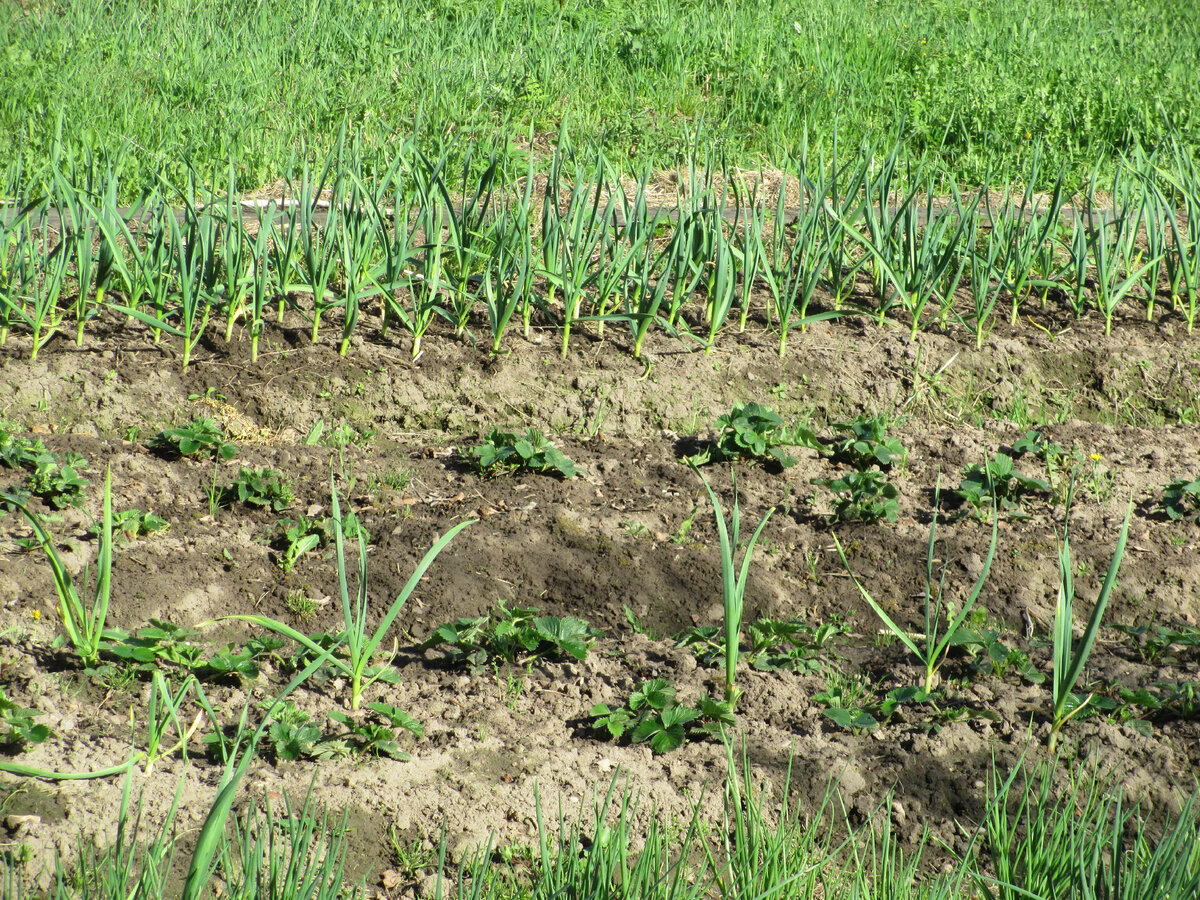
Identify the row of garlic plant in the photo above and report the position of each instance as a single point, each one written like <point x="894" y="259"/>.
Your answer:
<point x="431" y="238"/>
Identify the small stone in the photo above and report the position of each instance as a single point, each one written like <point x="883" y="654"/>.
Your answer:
<point x="18" y="824"/>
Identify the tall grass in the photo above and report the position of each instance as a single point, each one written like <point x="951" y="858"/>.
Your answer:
<point x="974" y="87"/>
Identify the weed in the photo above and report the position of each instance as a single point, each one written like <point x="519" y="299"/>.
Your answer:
<point x="300" y="605"/>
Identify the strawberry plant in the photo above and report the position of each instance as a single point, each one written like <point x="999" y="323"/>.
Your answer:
<point x="864" y="496"/>
<point x="751" y="431"/>
<point x="262" y="487"/>
<point x="998" y="484"/>
<point x="512" y="636"/>
<point x="1181" y="500"/>
<point x="867" y="444"/>
<point x="57" y="480"/>
<point x="18" y="724"/>
<point x="506" y="451"/>
<point x="653" y="716"/>
<point x="131" y="524"/>
<point x="200" y="436"/>
<point x="774" y="644"/>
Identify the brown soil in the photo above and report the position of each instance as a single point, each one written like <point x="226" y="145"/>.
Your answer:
<point x="636" y="530"/>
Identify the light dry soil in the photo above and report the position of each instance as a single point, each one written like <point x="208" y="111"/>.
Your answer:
<point x="634" y="531"/>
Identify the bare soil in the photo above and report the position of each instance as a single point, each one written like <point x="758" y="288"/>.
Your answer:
<point x="636" y="532"/>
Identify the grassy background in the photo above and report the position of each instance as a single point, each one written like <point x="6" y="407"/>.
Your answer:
<point x="973" y="85"/>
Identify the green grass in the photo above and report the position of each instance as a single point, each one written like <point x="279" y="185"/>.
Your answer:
<point x="972" y="84"/>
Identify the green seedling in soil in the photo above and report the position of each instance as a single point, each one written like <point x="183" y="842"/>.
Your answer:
<point x="261" y="487"/>
<point x="1069" y="657"/>
<point x="867" y="444"/>
<point x="162" y="644"/>
<point x="513" y="636"/>
<point x="130" y="524"/>
<point x="371" y="738"/>
<point x="360" y="649"/>
<point x="994" y="657"/>
<point x="1154" y="643"/>
<point x="300" y="536"/>
<point x="774" y="644"/>
<point x="292" y="734"/>
<point x="506" y="451"/>
<point x="1181" y="500"/>
<point x="82" y="622"/>
<point x="997" y="485"/>
<point x="850" y="703"/>
<point x="57" y="481"/>
<point x="935" y="643"/>
<point x="751" y="431"/>
<point x="1167" y="700"/>
<point x="200" y="436"/>
<point x="653" y="715"/>
<point x="18" y="452"/>
<point x="18" y="724"/>
<point x="862" y="497"/>
<point x="733" y="584"/>
<point x="1035" y="443"/>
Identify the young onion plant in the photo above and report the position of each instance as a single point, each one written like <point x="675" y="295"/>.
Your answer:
<point x="82" y="619"/>
<point x="359" y="646"/>
<point x="1070" y="657"/>
<point x="733" y="582"/>
<point x="935" y="642"/>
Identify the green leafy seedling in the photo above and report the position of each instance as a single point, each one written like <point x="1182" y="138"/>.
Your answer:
<point x="513" y="636"/>
<point x="751" y="431"/>
<point x="653" y="716"/>
<point x="130" y="524"/>
<point x="260" y="487"/>
<point x="201" y="436"/>
<point x="997" y="484"/>
<point x="1181" y="500"/>
<point x="506" y="451"/>
<point x="57" y="481"/>
<point x="865" y="496"/>
<point x="20" y="729"/>
<point x="867" y="444"/>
